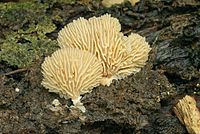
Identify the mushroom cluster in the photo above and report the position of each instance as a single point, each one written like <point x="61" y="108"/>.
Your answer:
<point x="92" y="52"/>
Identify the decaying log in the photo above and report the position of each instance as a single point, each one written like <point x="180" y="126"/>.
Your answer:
<point x="188" y="114"/>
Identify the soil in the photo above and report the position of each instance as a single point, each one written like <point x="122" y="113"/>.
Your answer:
<point x="141" y="103"/>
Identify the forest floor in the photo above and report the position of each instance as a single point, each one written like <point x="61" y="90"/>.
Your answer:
<point x="141" y="103"/>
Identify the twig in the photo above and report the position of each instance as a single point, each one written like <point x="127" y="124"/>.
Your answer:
<point x="15" y="71"/>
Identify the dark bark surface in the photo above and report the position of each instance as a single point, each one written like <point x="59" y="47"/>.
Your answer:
<point x="141" y="103"/>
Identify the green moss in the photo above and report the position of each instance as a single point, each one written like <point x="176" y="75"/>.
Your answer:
<point x="12" y="14"/>
<point x="26" y="25"/>
<point x="22" y="50"/>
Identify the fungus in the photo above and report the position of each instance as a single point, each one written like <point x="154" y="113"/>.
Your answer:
<point x="133" y="2"/>
<point x="136" y="55"/>
<point x="71" y="72"/>
<point x="109" y="3"/>
<point x="120" y="55"/>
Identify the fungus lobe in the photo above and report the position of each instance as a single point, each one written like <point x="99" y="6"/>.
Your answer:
<point x="120" y="55"/>
<point x="71" y="72"/>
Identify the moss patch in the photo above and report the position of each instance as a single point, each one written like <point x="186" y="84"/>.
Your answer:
<point x="24" y="39"/>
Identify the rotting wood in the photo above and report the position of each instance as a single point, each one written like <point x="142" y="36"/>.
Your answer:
<point x="188" y="114"/>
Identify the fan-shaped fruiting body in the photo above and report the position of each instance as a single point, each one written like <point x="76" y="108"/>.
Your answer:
<point x="120" y="55"/>
<point x="71" y="72"/>
<point x="135" y="56"/>
<point x="109" y="3"/>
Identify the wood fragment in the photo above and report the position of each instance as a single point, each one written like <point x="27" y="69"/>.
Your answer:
<point x="188" y="114"/>
<point x="15" y="71"/>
